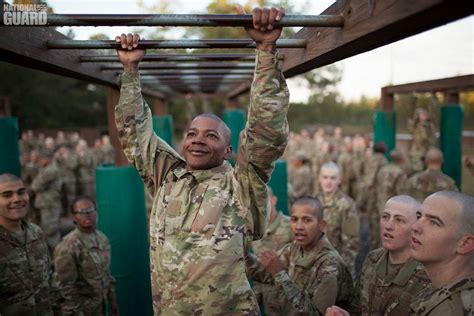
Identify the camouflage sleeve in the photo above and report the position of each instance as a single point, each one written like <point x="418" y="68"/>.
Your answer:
<point x="44" y="177"/>
<point x="256" y="270"/>
<point x="149" y="154"/>
<point x="350" y="237"/>
<point x="66" y="271"/>
<point x="264" y="138"/>
<point x="401" y="184"/>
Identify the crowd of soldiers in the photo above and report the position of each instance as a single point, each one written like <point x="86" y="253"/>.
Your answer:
<point x="213" y="226"/>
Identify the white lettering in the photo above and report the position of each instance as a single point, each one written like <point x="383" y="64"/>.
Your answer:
<point x="7" y="18"/>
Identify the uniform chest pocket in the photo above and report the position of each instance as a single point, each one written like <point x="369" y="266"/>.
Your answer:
<point x="207" y="217"/>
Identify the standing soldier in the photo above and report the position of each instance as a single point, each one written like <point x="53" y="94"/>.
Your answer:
<point x="423" y="131"/>
<point x="308" y="274"/>
<point x="107" y="151"/>
<point x="340" y="215"/>
<point x="67" y="162"/>
<point x="85" y="169"/>
<point x="425" y="183"/>
<point x="47" y="189"/>
<point x="300" y="178"/>
<point x="25" y="266"/>
<point x="277" y="235"/>
<point x="82" y="265"/>
<point x="345" y="162"/>
<point x="205" y="212"/>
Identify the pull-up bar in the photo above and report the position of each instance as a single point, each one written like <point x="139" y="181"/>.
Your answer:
<point x="162" y="44"/>
<point x="196" y="76"/>
<point x="197" y="72"/>
<point x="186" y="20"/>
<point x="157" y="66"/>
<point x="176" y="57"/>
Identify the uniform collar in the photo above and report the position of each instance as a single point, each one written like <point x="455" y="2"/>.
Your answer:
<point x="306" y="258"/>
<point x="203" y="175"/>
<point x="402" y="277"/>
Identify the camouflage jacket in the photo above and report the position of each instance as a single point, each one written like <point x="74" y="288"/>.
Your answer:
<point x="301" y="181"/>
<point x="67" y="167"/>
<point x="47" y="186"/>
<point x="202" y="222"/>
<point x="456" y="298"/>
<point x="425" y="183"/>
<point x="345" y="162"/>
<point x="86" y="167"/>
<point x="379" y="294"/>
<point x="367" y="198"/>
<point x="26" y="285"/>
<point x="342" y="226"/>
<point x="423" y="137"/>
<point x="277" y="235"/>
<point x="82" y="268"/>
<point x="391" y="181"/>
<point x="314" y="280"/>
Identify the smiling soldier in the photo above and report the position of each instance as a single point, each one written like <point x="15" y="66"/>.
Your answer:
<point x="205" y="213"/>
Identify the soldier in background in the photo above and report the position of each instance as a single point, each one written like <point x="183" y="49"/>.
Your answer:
<point x="47" y="188"/>
<point x="277" y="234"/>
<point x="67" y="163"/>
<point x="425" y="183"/>
<point x="107" y="151"/>
<point x="309" y="275"/>
<point x="423" y="131"/>
<point x="300" y="178"/>
<point x="345" y="161"/>
<point x="340" y="215"/>
<point x="26" y="283"/>
<point x="82" y="265"/>
<point x="85" y="170"/>
<point x="443" y="241"/>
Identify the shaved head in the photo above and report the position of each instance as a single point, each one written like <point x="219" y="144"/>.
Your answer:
<point x="224" y="128"/>
<point x="434" y="156"/>
<point x="413" y="204"/>
<point x="466" y="206"/>
<point x="314" y="203"/>
<point x="8" y="177"/>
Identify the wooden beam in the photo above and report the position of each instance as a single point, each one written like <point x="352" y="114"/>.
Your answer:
<point x="459" y="83"/>
<point x="26" y="47"/>
<point x="386" y="101"/>
<point x="368" y="25"/>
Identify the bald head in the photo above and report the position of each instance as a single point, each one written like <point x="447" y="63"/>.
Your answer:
<point x="8" y="177"/>
<point x="223" y="126"/>
<point x="314" y="203"/>
<point x="411" y="204"/>
<point x="434" y="156"/>
<point x="465" y="204"/>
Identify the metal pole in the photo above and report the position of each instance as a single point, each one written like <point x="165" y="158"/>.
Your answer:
<point x="205" y="77"/>
<point x="175" y="57"/>
<point x="187" y="20"/>
<point x="197" y="72"/>
<point x="187" y="66"/>
<point x="206" y="43"/>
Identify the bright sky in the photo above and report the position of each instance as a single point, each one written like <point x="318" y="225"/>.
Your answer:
<point x="442" y="52"/>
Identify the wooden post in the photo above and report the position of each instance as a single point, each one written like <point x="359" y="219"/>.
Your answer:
<point x="231" y="103"/>
<point x="112" y="100"/>
<point x="386" y="101"/>
<point x="451" y="97"/>
<point x="160" y="107"/>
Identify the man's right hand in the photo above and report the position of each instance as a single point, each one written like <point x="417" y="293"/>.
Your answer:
<point x="129" y="55"/>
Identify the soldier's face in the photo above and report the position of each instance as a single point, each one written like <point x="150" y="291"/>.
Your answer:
<point x="329" y="180"/>
<point x="14" y="201"/>
<point x="306" y="227"/>
<point x="205" y="145"/>
<point x="436" y="233"/>
<point x="395" y="226"/>
<point x="85" y="215"/>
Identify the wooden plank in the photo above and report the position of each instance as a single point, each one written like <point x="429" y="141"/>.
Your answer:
<point x="26" y="47"/>
<point x="459" y="83"/>
<point x="368" y="25"/>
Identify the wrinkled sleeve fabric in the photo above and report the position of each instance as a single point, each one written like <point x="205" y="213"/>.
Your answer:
<point x="264" y="138"/>
<point x="66" y="271"/>
<point x="148" y="153"/>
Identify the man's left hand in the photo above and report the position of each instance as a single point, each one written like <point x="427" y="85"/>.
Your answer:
<point x="271" y="262"/>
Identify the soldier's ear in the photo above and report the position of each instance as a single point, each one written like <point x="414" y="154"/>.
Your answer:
<point x="228" y="152"/>
<point x="466" y="245"/>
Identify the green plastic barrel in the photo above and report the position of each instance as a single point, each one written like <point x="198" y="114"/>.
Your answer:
<point x="279" y="184"/>
<point x="123" y="218"/>
<point x="163" y="127"/>
<point x="9" y="136"/>
<point x="385" y="129"/>
<point x="450" y="137"/>
<point x="235" y="119"/>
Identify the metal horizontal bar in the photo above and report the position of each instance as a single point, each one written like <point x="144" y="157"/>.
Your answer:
<point x="196" y="80"/>
<point x="199" y="76"/>
<point x="186" y="20"/>
<point x="198" y="72"/>
<point x="186" y="66"/>
<point x="162" y="44"/>
<point x="176" y="57"/>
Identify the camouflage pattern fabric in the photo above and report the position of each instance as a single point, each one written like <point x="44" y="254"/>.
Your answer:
<point x="342" y="226"/>
<point x="314" y="280"/>
<point x="379" y="292"/>
<point x="86" y="174"/>
<point x="456" y="298"/>
<point x="47" y="187"/>
<point x="202" y="221"/>
<point x="67" y="168"/>
<point x="344" y="162"/>
<point x="26" y="283"/>
<point x="423" y="137"/>
<point x="82" y="267"/>
<point x="427" y="182"/>
<point x="301" y="181"/>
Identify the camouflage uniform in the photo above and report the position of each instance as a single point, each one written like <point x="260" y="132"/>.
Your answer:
<point x="342" y="226"/>
<point x="358" y="171"/>
<point x="26" y="286"/>
<point x="47" y="187"/>
<point x="82" y="265"/>
<point x="67" y="168"/>
<point x="107" y="154"/>
<point x="86" y="174"/>
<point x="203" y="221"/>
<point x="315" y="280"/>
<point x="456" y="298"/>
<point x="276" y="236"/>
<point x="425" y="183"/>
<point x="383" y="289"/>
<point x="344" y="162"/>
<point x="423" y="137"/>
<point x="367" y="199"/>
<point x="301" y="182"/>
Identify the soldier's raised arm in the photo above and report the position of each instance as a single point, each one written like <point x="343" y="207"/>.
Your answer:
<point x="143" y="148"/>
<point x="265" y="135"/>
